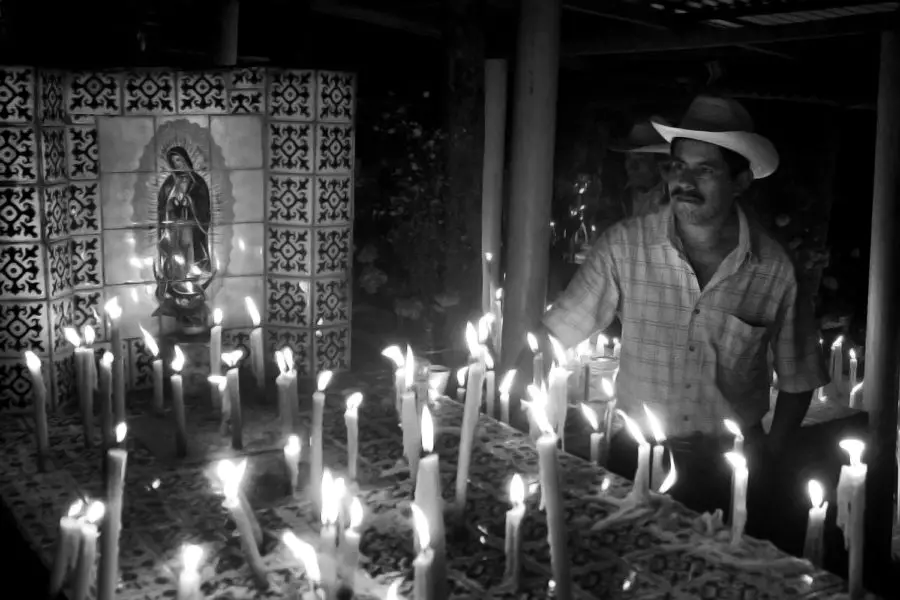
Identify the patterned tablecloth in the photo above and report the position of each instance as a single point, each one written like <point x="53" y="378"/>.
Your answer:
<point x="657" y="553"/>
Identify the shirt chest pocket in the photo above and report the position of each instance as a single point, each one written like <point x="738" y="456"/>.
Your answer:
<point x="741" y="346"/>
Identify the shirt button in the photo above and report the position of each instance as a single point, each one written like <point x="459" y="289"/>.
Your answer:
<point x="691" y="348"/>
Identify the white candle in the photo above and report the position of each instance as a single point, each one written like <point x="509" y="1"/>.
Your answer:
<point x="505" y="387"/>
<point x="292" y="461"/>
<point x="87" y="553"/>
<point x="231" y="475"/>
<point x="461" y="376"/>
<point x="735" y="430"/>
<point x="856" y="400"/>
<point x="349" y="548"/>
<point x="657" y="475"/>
<point x="116" y="460"/>
<point x="395" y="355"/>
<point x="538" y="361"/>
<point x="218" y="385"/>
<point x="430" y="499"/>
<point x="106" y="408"/>
<point x="67" y="547"/>
<point x="393" y="593"/>
<point x="490" y="384"/>
<point x="617" y="348"/>
<point x="153" y="348"/>
<point x="559" y="391"/>
<point x="424" y="582"/>
<point x="114" y="312"/>
<point x="178" y="404"/>
<point x="738" y="495"/>
<point x="470" y="420"/>
<point x="293" y="397"/>
<point x="596" y="437"/>
<point x="83" y="357"/>
<point x="233" y="389"/>
<point x="812" y="545"/>
<point x="773" y="391"/>
<point x="854" y="366"/>
<point x="315" y="444"/>
<point x="602" y="345"/>
<point x="39" y="401"/>
<point x="285" y="383"/>
<point x="837" y="363"/>
<point x="609" y="390"/>
<point x="215" y="343"/>
<point x="351" y="420"/>
<point x="189" y="577"/>
<point x="257" y="360"/>
<point x="498" y="321"/>
<point x="486" y="282"/>
<point x="851" y="500"/>
<point x="640" y="493"/>
<point x="513" y="542"/>
<point x="332" y="500"/>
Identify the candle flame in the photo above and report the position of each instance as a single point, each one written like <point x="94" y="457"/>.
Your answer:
<point x="357" y="514"/>
<point x="583" y="349"/>
<point x="75" y="508"/>
<point x="484" y="326"/>
<point x="461" y="376"/>
<point x="72" y="336"/>
<point x="409" y="366"/>
<point x="427" y="430"/>
<point x="331" y="498"/>
<point x="394" y="354"/>
<point x="252" y="311"/>
<point x="392" y="593"/>
<point x="671" y="476"/>
<point x="854" y="449"/>
<point x="738" y="461"/>
<point x="733" y="428"/>
<point x="559" y="353"/>
<point x="305" y="553"/>
<point x="532" y="342"/>
<point x="323" y="380"/>
<point x="591" y="415"/>
<point x="498" y="295"/>
<point x="507" y="381"/>
<point x="837" y="342"/>
<point x="288" y="355"/>
<point x="232" y="358"/>
<point x="32" y="361"/>
<point x="420" y="524"/>
<point x="608" y="388"/>
<point x="852" y="353"/>
<point x="293" y="445"/>
<point x="178" y="361"/>
<point x="89" y="335"/>
<point x="220" y="381"/>
<point x="538" y="408"/>
<point x="282" y="364"/>
<point x="516" y="490"/>
<point x="113" y="309"/>
<point x="95" y="511"/>
<point x="107" y="359"/>
<point x="121" y="432"/>
<point x="231" y="474"/>
<point x="656" y="427"/>
<point x="488" y="361"/>
<point x="191" y="555"/>
<point x="149" y="342"/>
<point x="816" y="493"/>
<point x="473" y="342"/>
<point x="217" y="316"/>
<point x="633" y="429"/>
<point x="602" y="342"/>
<point x="488" y="256"/>
<point x="354" y="401"/>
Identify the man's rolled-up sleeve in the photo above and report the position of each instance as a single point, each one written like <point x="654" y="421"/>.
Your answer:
<point x="591" y="300"/>
<point x="799" y="360"/>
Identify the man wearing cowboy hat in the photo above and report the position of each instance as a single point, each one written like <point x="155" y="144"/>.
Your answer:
<point x="644" y="151"/>
<point x="703" y="294"/>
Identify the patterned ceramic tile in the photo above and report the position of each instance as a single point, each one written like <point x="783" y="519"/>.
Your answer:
<point x="87" y="308"/>
<point x="291" y="147"/>
<point x="140" y="365"/>
<point x="331" y="301"/>
<point x="52" y="102"/>
<point x="91" y="93"/>
<point x="245" y="102"/>
<point x="15" y="384"/>
<point x="287" y="301"/>
<point x="332" y="348"/>
<point x="59" y="266"/>
<point x="288" y="250"/>
<point x="334" y="200"/>
<point x="232" y="339"/>
<point x="22" y="271"/>
<point x="87" y="261"/>
<point x="20" y="214"/>
<point x="64" y="383"/>
<point x="18" y="155"/>
<point x="333" y="250"/>
<point x="334" y="148"/>
<point x="56" y="211"/>
<point x="336" y="96"/>
<point x="84" y="154"/>
<point x="298" y="340"/>
<point x="53" y="154"/>
<point x="201" y="93"/>
<point x="149" y="93"/>
<point x="84" y="207"/>
<point x="292" y="95"/>
<point x="24" y="326"/>
<point x="248" y="77"/>
<point x="289" y="199"/>
<point x="17" y="95"/>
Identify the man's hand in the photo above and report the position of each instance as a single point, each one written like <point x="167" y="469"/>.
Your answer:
<point x="790" y="411"/>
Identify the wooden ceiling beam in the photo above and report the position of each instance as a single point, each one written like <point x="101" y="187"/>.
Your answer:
<point x="707" y="37"/>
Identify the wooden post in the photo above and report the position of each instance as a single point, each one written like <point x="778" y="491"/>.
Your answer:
<point x="883" y="319"/>
<point x="531" y="177"/>
<point x="227" y="51"/>
<point x="495" y="73"/>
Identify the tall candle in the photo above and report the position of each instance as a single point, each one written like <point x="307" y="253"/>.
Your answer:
<point x="285" y="384"/>
<point x="856" y="402"/>
<point x="409" y="419"/>
<point x="292" y="461"/>
<point x="293" y="398"/>
<point x="87" y="553"/>
<point x="609" y="390"/>
<point x="538" y="361"/>
<point x="486" y="282"/>
<point x="773" y="391"/>
<point x="461" y="376"/>
<point x="559" y="399"/>
<point x="231" y="475"/>
<point x="189" y="577"/>
<point x="812" y="545"/>
<point x="67" y="547"/>
<point x="505" y="387"/>
<point x="423" y="565"/>
<point x="218" y="386"/>
<point x="738" y="495"/>
<point x="640" y="493"/>
<point x="233" y="389"/>
<point x="854" y="366"/>
<point x="257" y="360"/>
<point x="489" y="385"/>
<point x="430" y="499"/>
<point x="617" y="348"/>
<point x="498" y="321"/>
<point x="83" y="356"/>
<point x="733" y="428"/>
<point x="513" y="542"/>
<point x="315" y="449"/>
<point x="215" y="343"/>
<point x="39" y="401"/>
<point x="351" y="420"/>
<point x="602" y="345"/>
<point x="851" y="500"/>
<point x="106" y="408"/>
<point x="837" y="363"/>
<point x="349" y="547"/>
<point x="114" y="312"/>
<point x="331" y="502"/>
<point x="469" y="423"/>
<point x="657" y="475"/>
<point x="596" y="437"/>
<point x="178" y="404"/>
<point x="152" y="347"/>
<point x="108" y="576"/>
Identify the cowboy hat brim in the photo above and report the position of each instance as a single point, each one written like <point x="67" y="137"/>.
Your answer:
<point x="651" y="149"/>
<point x="759" y="151"/>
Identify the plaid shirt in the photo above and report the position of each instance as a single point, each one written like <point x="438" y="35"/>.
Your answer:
<point x="694" y="356"/>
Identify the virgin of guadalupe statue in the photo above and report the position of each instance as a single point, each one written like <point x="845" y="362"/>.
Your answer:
<point x="183" y="268"/>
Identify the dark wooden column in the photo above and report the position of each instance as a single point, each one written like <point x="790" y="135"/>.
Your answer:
<point x="227" y="49"/>
<point x="531" y="172"/>
<point x="883" y="319"/>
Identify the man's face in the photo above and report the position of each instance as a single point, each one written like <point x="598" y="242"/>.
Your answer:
<point x="700" y="184"/>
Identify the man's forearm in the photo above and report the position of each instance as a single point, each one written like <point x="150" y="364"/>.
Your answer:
<point x="790" y="410"/>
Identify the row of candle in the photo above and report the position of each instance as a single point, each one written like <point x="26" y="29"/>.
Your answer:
<point x="836" y="371"/>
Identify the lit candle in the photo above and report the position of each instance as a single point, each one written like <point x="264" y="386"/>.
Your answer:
<point x="548" y="463"/>
<point x="39" y="400"/>
<point x="215" y="343"/>
<point x="602" y="345"/>
<point x="233" y="388"/>
<point x="505" y="387"/>
<point x="486" y="282"/>
<point x="292" y="461"/>
<point x="116" y="460"/>
<point x="257" y="361"/>
<point x="671" y="478"/>
<point x="470" y="417"/>
<point x="430" y="499"/>
<point x="395" y="355"/>
<point x="178" y="404"/>
<point x="424" y="583"/>
<point x="351" y="420"/>
<point x="856" y="400"/>
<point x="851" y="500"/>
<point x="735" y="430"/>
<point x="218" y="386"/>
<point x="350" y="544"/>
<point x="83" y="382"/>
<point x="189" y="577"/>
<point x="489" y="385"/>
<point x="538" y="362"/>
<point x="66" y="547"/>
<point x="498" y="320"/>
<point x="153" y="347"/>
<point x="583" y="351"/>
<point x="285" y="383"/>
<point x="559" y="391"/>
<point x="617" y="348"/>
<point x="306" y="555"/>
<point x="812" y="546"/>
<point x="461" y="376"/>
<point x="106" y="407"/>
<point x="773" y="391"/>
<point x="231" y="475"/>
<point x="409" y="417"/>
<point x="114" y="312"/>
<point x="89" y="337"/>
<point x="640" y="493"/>
<point x="854" y="365"/>
<point x="596" y="437"/>
<point x="513" y="542"/>
<point x="738" y="495"/>
<point x="315" y="449"/>
<point x="332" y="500"/>
<point x="837" y="363"/>
<point x="87" y="553"/>
<point x="609" y="391"/>
<point x="657" y="475"/>
<point x="293" y="397"/>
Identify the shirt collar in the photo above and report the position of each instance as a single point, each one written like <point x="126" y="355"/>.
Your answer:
<point x="665" y="232"/>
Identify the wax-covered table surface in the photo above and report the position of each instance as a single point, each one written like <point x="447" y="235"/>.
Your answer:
<point x="662" y="552"/>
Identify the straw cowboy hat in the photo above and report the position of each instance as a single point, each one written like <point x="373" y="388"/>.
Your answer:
<point x="725" y="123"/>
<point x="642" y="138"/>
